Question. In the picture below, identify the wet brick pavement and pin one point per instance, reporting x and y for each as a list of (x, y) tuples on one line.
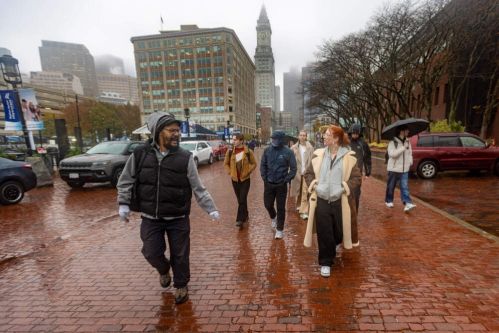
[(473, 198), (412, 272)]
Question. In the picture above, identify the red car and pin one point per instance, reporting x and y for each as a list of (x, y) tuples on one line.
[(434, 152), (219, 148)]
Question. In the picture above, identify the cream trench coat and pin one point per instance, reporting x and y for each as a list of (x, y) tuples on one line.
[(351, 179), (296, 182)]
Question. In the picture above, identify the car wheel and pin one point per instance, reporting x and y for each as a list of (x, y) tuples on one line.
[(196, 162), (74, 184), (210, 160), (427, 169), (116, 176), (11, 192)]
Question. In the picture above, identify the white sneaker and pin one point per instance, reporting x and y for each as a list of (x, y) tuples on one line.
[(304, 216), (408, 207), (389, 204), (325, 271), (274, 223), (279, 234)]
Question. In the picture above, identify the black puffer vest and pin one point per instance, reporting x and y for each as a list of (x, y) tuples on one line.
[(163, 188)]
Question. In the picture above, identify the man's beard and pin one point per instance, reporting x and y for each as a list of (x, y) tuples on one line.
[(168, 144)]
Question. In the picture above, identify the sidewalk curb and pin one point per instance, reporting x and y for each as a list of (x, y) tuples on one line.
[(453, 218)]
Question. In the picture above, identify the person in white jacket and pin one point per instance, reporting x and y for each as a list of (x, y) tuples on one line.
[(399, 162)]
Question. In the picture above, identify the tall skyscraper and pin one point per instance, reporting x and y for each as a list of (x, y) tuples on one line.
[(309, 114), (207, 71), (70, 58), (277, 101), (293, 97), (264, 62)]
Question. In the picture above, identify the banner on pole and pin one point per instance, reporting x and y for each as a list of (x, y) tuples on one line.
[(31, 110), (11, 109)]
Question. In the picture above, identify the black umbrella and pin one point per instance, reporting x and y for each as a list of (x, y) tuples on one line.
[(414, 125)]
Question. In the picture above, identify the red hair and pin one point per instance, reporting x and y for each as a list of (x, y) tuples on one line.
[(340, 134)]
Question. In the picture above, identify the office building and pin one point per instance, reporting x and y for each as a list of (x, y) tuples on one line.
[(293, 97), (204, 70), (70, 58), (123, 85), (65, 82)]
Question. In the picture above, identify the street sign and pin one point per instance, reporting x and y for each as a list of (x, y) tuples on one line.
[(11, 109)]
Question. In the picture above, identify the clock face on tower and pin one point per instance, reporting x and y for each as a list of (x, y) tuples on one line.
[(262, 36)]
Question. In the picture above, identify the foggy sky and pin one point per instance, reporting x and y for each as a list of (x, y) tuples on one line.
[(106, 26)]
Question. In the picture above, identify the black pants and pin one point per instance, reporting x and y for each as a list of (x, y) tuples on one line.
[(152, 233), (329, 229), (241, 190), (277, 193)]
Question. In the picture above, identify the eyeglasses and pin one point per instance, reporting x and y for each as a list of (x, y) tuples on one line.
[(172, 130)]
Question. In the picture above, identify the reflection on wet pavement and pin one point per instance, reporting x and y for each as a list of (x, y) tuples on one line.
[(471, 197)]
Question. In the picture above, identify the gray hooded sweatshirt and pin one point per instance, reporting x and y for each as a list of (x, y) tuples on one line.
[(330, 185), (126, 181)]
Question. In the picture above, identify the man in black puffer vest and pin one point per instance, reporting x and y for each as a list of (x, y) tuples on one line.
[(158, 181)]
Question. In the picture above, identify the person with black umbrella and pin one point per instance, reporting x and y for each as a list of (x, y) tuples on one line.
[(399, 162)]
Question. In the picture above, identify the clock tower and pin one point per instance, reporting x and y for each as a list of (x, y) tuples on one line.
[(264, 62)]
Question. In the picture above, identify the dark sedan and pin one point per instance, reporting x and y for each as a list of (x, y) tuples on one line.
[(15, 179)]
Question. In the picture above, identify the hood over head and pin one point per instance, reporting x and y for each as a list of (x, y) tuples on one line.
[(157, 121), (355, 128), (278, 138)]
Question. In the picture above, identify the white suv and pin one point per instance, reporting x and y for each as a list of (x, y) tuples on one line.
[(201, 151)]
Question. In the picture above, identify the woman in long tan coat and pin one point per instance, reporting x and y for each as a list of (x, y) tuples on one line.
[(332, 176), (303, 151)]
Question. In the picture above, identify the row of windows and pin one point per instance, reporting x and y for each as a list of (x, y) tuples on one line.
[(180, 41), (189, 82), (172, 53), (449, 141)]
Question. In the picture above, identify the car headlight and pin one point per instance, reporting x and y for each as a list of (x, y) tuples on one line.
[(100, 164)]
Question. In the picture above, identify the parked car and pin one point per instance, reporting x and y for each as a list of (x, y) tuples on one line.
[(15, 179), (101, 163), (435, 152), (201, 151), (219, 148)]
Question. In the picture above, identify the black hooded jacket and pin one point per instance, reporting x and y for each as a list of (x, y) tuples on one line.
[(362, 153)]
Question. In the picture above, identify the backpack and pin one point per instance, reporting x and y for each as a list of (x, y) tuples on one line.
[(386, 153)]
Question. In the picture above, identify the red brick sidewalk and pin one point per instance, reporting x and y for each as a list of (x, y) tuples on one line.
[(412, 272)]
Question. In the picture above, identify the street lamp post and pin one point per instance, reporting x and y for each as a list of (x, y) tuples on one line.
[(78, 129), (187, 116), (11, 74), (228, 131)]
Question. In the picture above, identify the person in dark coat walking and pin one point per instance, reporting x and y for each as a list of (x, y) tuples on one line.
[(362, 154), (158, 180), (277, 168)]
